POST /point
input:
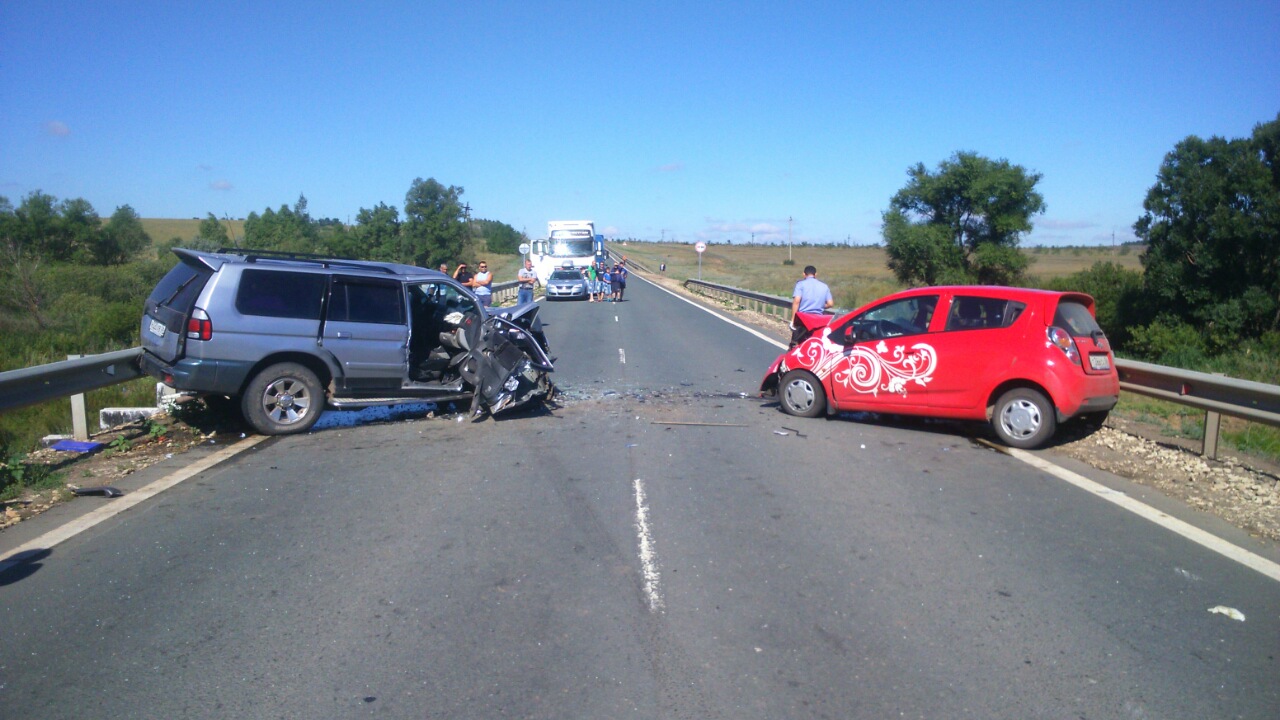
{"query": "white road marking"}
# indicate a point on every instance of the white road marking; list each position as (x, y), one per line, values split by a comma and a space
(1186, 530)
(735, 323)
(648, 556)
(119, 505)
(622, 356)
(1192, 533)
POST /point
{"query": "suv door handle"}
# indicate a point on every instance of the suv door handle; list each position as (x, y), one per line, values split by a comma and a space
(340, 334)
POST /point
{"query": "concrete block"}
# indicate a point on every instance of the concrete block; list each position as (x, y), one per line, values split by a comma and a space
(111, 417)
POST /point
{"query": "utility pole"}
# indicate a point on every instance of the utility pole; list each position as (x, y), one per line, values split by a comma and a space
(789, 260)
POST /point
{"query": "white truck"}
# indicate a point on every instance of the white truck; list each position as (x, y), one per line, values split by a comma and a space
(568, 241)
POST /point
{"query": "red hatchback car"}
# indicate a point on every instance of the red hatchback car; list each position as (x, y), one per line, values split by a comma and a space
(1024, 360)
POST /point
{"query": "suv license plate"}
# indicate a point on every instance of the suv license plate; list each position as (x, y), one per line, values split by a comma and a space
(156, 327)
(1099, 362)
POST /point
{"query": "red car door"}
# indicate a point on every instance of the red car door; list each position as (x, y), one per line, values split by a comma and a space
(882, 359)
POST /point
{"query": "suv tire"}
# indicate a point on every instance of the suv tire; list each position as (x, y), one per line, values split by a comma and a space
(1023, 418)
(283, 399)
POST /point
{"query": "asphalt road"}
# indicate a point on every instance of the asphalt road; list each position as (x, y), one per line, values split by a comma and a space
(662, 545)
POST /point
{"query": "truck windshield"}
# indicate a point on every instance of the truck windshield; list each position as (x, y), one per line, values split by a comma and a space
(571, 247)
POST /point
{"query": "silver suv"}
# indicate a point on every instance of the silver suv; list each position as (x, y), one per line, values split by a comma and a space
(289, 334)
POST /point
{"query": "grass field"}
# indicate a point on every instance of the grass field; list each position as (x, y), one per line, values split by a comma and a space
(856, 274)
(162, 230)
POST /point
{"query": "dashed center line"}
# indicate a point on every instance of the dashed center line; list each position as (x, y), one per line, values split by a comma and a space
(622, 356)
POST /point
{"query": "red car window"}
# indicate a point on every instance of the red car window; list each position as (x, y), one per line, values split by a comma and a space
(973, 313)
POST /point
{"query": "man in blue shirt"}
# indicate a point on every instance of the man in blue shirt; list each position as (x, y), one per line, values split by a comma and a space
(810, 296)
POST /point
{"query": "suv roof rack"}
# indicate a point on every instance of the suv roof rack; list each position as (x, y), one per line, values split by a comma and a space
(325, 261)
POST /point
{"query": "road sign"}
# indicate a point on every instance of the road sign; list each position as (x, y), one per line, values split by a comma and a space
(524, 248)
(700, 247)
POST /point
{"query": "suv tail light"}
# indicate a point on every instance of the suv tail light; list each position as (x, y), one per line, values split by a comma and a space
(199, 326)
(1062, 340)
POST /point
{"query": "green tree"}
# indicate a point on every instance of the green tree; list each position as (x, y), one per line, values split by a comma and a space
(435, 229)
(212, 234)
(377, 232)
(36, 227)
(288, 230)
(20, 289)
(80, 232)
(963, 223)
(121, 238)
(1212, 227)
(499, 236)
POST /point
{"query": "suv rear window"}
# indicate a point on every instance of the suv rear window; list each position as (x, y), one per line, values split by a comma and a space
(1076, 318)
(179, 288)
(276, 293)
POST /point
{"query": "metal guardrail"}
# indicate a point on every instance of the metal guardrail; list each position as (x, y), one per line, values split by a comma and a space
(34, 385)
(1215, 394)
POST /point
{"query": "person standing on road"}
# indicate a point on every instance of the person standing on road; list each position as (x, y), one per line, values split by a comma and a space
(480, 284)
(444, 268)
(622, 278)
(592, 285)
(528, 281)
(462, 275)
(810, 296)
(606, 285)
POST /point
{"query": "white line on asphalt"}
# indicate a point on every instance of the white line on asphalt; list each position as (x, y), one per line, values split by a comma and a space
(622, 356)
(731, 321)
(1195, 534)
(648, 556)
(119, 505)
(1186, 530)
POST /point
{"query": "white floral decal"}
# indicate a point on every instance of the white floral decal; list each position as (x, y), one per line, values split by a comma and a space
(863, 370)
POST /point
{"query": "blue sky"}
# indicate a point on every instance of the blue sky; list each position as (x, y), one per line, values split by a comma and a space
(685, 120)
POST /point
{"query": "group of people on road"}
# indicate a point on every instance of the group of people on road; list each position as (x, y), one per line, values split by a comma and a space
(480, 281)
(605, 283)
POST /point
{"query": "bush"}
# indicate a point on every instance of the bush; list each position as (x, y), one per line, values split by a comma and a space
(1169, 342)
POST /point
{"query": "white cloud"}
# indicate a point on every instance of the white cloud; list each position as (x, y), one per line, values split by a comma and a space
(221, 185)
(57, 128)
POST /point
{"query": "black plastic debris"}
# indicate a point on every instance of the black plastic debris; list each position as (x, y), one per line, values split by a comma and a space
(98, 490)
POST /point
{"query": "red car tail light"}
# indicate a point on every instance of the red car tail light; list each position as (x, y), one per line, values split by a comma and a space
(1062, 340)
(199, 326)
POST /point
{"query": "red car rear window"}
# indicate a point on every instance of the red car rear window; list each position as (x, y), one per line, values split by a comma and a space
(1076, 318)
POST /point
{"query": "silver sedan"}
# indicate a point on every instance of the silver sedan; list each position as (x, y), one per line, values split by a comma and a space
(566, 284)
